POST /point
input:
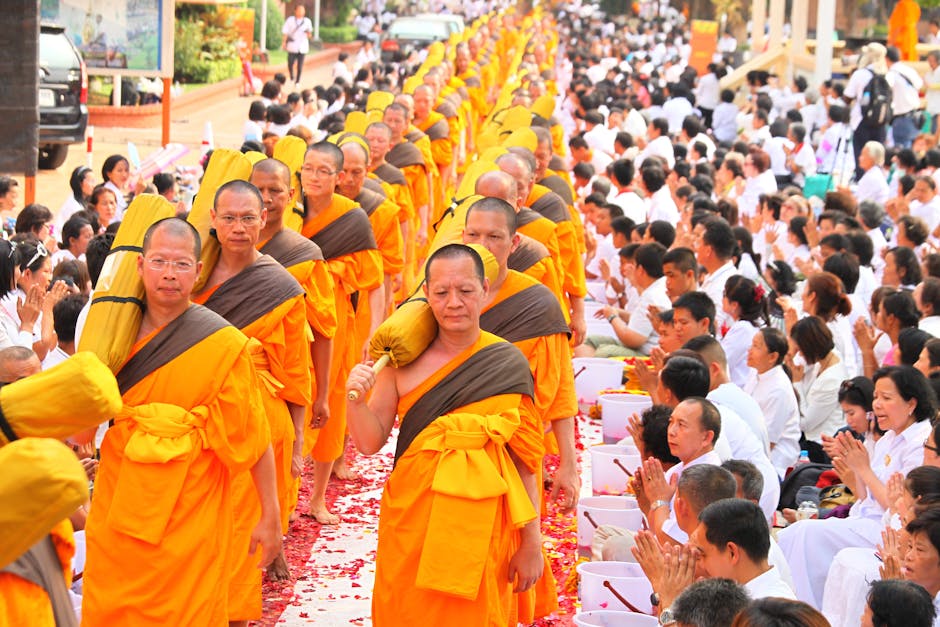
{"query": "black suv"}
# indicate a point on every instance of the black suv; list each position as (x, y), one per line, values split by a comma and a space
(63, 94)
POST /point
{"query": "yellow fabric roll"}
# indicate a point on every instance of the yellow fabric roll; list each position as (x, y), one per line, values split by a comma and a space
(225, 165)
(290, 151)
(73, 396)
(42, 484)
(116, 304)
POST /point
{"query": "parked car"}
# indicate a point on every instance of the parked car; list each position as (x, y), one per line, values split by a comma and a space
(63, 96)
(454, 23)
(407, 34)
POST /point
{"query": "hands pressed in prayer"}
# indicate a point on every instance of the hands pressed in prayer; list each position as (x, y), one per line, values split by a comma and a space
(649, 555)
(890, 553)
(678, 572)
(29, 310)
(654, 481)
(853, 452)
(635, 429)
(865, 335)
(648, 378)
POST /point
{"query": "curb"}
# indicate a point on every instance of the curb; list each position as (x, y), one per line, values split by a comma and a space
(149, 116)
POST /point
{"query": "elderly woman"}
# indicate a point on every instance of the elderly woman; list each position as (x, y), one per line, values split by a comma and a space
(874, 184)
(903, 404)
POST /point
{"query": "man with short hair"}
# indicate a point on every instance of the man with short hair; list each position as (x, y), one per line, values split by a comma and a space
(714, 248)
(192, 419)
(927, 299)
(925, 203)
(657, 144)
(733, 541)
(408, 158)
(436, 127)
(18, 362)
(659, 202)
(679, 268)
(344, 234)
(693, 315)
(65, 316)
(709, 603)
(632, 205)
(258, 296)
(471, 383)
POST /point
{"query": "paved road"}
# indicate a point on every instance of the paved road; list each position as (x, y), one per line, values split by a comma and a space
(227, 114)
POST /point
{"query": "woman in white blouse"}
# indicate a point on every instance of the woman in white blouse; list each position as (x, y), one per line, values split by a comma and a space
(818, 386)
(903, 405)
(745, 303)
(771, 387)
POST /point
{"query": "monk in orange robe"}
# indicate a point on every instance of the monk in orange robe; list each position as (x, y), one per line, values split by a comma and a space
(464, 470)
(383, 216)
(408, 158)
(902, 29)
(259, 297)
(160, 529)
(342, 231)
(522, 311)
(34, 588)
(436, 127)
(396, 185)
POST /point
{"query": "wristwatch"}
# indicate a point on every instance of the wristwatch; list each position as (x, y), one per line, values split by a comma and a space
(659, 503)
(665, 617)
(611, 317)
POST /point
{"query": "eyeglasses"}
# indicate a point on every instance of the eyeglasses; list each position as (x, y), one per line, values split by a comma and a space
(182, 267)
(936, 451)
(248, 221)
(40, 252)
(320, 173)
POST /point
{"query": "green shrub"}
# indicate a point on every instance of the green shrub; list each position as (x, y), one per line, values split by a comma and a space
(204, 48)
(338, 34)
(274, 27)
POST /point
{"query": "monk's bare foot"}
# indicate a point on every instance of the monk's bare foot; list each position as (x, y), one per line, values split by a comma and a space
(322, 515)
(278, 570)
(294, 515)
(344, 472)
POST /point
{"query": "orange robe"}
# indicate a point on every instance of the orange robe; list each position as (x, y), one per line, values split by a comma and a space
(304, 261)
(543, 340)
(23, 602)
(355, 268)
(902, 29)
(160, 530)
(281, 357)
(454, 486)
(572, 264)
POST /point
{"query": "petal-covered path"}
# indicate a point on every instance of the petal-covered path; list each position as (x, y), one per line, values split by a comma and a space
(333, 568)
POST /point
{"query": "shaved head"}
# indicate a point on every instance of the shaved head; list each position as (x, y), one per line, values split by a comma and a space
(275, 167)
(497, 184)
(18, 362)
(175, 227)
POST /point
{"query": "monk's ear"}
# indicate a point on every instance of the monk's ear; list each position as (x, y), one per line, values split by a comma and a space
(264, 216)
(140, 265)
(486, 286)
(516, 238)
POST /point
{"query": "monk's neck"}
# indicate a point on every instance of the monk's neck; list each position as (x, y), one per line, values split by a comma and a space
(316, 206)
(419, 121)
(456, 343)
(158, 316)
(496, 285)
(376, 164)
(270, 230)
(231, 263)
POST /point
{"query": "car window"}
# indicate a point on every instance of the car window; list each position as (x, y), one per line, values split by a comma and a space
(55, 51)
(408, 28)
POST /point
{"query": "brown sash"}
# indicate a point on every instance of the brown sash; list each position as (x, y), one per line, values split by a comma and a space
(472, 81)
(438, 130)
(288, 248)
(369, 200)
(493, 370)
(559, 186)
(415, 136)
(464, 94)
(527, 254)
(556, 163)
(255, 291)
(375, 186)
(40, 565)
(404, 155)
(391, 174)
(447, 109)
(551, 206)
(191, 327)
(526, 216)
(347, 234)
(533, 312)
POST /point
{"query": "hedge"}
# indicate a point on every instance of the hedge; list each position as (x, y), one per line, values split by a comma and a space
(338, 34)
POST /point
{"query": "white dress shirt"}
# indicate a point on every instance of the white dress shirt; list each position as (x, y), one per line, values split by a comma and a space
(873, 186)
(930, 324)
(661, 206)
(632, 205)
(737, 400)
(714, 286)
(736, 343)
(659, 147)
(640, 323)
(773, 392)
(769, 584)
(819, 404)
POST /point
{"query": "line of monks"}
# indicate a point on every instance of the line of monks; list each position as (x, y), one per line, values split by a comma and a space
(240, 371)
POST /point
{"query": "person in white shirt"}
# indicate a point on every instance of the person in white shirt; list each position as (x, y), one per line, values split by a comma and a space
(658, 143)
(708, 94)
(871, 62)
(65, 316)
(82, 184)
(733, 541)
(676, 107)
(835, 154)
(759, 133)
(772, 389)
(801, 160)
(927, 299)
(714, 249)
(725, 118)
(745, 306)
(635, 332)
(633, 207)
(925, 203)
(872, 185)
(581, 152)
(297, 31)
(659, 202)
(759, 179)
(906, 99)
(904, 406)
(932, 86)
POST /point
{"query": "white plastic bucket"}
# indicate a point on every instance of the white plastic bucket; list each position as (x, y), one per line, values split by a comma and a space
(610, 618)
(599, 327)
(607, 477)
(593, 374)
(616, 410)
(601, 580)
(621, 511)
(597, 290)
